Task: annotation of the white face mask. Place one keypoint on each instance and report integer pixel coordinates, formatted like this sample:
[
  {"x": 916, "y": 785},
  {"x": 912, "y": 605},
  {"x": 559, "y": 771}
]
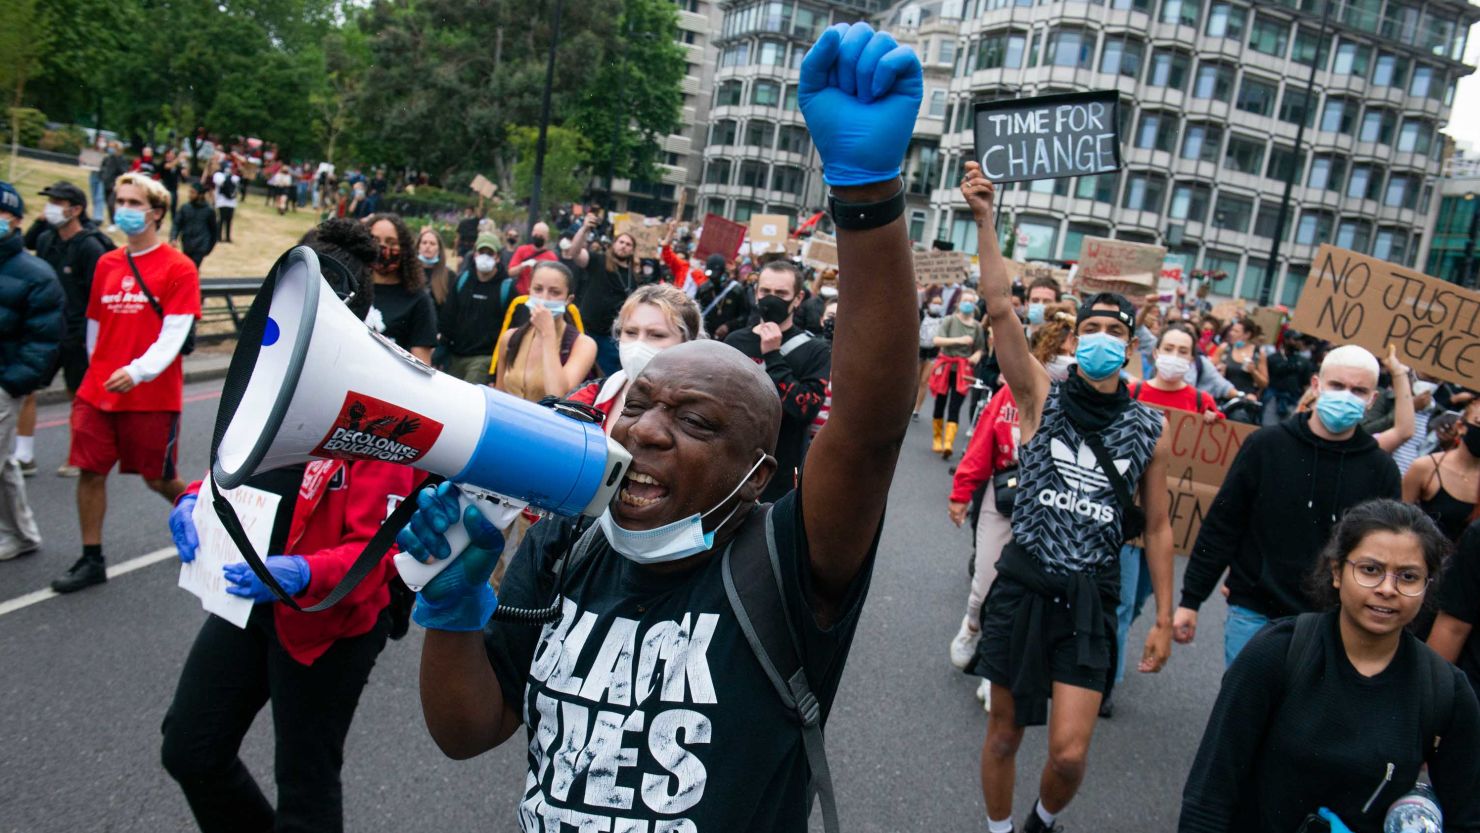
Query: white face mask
[
  {"x": 635, "y": 356},
  {"x": 1172, "y": 368},
  {"x": 54, "y": 214},
  {"x": 1421, "y": 387},
  {"x": 485, "y": 263},
  {"x": 828, "y": 292},
  {"x": 1058, "y": 368},
  {"x": 669, "y": 542}
]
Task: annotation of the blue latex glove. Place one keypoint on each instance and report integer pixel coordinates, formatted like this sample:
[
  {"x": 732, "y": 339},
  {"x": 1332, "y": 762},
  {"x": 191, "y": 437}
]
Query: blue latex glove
[
  {"x": 291, "y": 572},
  {"x": 860, "y": 93},
  {"x": 1337, "y": 825},
  {"x": 459, "y": 598},
  {"x": 182, "y": 529}
]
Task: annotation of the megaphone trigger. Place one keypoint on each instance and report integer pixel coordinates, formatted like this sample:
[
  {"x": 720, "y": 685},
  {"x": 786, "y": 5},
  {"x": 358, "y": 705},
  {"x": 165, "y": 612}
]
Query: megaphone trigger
[{"x": 498, "y": 510}]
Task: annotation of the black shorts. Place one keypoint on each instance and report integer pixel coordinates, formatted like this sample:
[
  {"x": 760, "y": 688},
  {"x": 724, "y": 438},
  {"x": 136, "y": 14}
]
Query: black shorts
[
  {"x": 928, "y": 354},
  {"x": 72, "y": 362},
  {"x": 994, "y": 650}
]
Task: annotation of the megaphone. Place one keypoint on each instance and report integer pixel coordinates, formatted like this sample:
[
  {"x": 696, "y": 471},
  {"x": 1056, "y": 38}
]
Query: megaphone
[{"x": 310, "y": 380}]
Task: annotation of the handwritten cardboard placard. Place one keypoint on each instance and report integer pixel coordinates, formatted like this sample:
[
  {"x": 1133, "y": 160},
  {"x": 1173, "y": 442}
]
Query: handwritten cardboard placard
[
  {"x": 1226, "y": 311},
  {"x": 646, "y": 236},
  {"x": 1268, "y": 320},
  {"x": 204, "y": 577},
  {"x": 1050, "y": 136},
  {"x": 1351, "y": 298},
  {"x": 768, "y": 233},
  {"x": 1200, "y": 454},
  {"x": 482, "y": 185},
  {"x": 1138, "y": 264},
  {"x": 821, "y": 252},
  {"x": 719, "y": 236},
  {"x": 941, "y": 267}
]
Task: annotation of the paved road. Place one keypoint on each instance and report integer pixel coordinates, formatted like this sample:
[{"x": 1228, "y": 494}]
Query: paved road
[{"x": 85, "y": 679}]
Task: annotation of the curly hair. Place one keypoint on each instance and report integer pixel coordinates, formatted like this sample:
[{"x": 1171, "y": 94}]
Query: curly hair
[
  {"x": 409, "y": 271},
  {"x": 350, "y": 243},
  {"x": 1057, "y": 328},
  {"x": 1377, "y": 515}
]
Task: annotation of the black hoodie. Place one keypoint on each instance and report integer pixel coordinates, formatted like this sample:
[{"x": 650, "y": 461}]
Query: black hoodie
[{"x": 1284, "y": 492}]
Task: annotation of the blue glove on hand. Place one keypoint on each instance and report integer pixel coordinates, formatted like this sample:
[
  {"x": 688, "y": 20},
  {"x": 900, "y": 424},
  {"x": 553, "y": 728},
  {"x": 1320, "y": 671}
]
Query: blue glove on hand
[
  {"x": 291, "y": 572},
  {"x": 1337, "y": 825},
  {"x": 860, "y": 93},
  {"x": 182, "y": 529},
  {"x": 459, "y": 598}
]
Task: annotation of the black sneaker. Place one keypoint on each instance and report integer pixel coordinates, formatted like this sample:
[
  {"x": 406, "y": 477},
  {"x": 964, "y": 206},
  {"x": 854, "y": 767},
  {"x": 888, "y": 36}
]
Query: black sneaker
[
  {"x": 85, "y": 573},
  {"x": 1033, "y": 824},
  {"x": 28, "y": 467},
  {"x": 1107, "y": 708}
]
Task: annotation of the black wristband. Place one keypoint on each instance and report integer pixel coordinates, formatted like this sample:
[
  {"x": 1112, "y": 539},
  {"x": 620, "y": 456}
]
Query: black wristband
[{"x": 862, "y": 216}]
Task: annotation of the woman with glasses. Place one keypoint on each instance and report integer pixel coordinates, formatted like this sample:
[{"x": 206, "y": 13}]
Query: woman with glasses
[
  {"x": 1334, "y": 713},
  {"x": 1445, "y": 484}
]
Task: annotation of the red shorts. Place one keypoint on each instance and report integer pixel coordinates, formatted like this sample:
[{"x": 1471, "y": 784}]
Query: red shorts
[{"x": 145, "y": 443}]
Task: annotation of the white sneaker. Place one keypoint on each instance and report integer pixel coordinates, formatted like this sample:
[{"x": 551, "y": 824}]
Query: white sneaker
[
  {"x": 984, "y": 694},
  {"x": 963, "y": 646}
]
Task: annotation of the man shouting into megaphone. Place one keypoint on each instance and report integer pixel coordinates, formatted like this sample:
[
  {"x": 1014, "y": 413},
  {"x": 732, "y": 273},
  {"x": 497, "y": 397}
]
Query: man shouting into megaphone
[{"x": 702, "y": 634}]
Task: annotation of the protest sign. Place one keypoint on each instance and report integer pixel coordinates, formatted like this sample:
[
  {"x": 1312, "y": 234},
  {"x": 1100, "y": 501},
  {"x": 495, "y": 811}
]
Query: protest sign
[
  {"x": 204, "y": 577},
  {"x": 1226, "y": 311},
  {"x": 941, "y": 267},
  {"x": 646, "y": 236},
  {"x": 821, "y": 252},
  {"x": 767, "y": 233},
  {"x": 1268, "y": 320},
  {"x": 1350, "y": 298},
  {"x": 1131, "y": 269},
  {"x": 482, "y": 185},
  {"x": 719, "y": 236},
  {"x": 1068, "y": 134},
  {"x": 1200, "y": 454}
]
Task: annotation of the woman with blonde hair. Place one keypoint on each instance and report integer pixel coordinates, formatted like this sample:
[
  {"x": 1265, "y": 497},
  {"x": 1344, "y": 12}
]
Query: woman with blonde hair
[
  {"x": 433, "y": 259},
  {"x": 652, "y": 319}
]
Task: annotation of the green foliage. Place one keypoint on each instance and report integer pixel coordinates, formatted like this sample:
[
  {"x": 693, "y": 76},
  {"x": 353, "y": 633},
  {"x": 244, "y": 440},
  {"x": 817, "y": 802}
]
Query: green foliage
[
  {"x": 70, "y": 139},
  {"x": 563, "y": 179},
  {"x": 32, "y": 124},
  {"x": 427, "y": 201}
]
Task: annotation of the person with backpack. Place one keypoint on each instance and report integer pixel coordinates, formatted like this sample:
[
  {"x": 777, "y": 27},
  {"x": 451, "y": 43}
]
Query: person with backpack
[
  {"x": 702, "y": 633},
  {"x": 228, "y": 187},
  {"x": 309, "y": 667},
  {"x": 140, "y": 319},
  {"x": 1330, "y": 715},
  {"x": 473, "y": 312},
  {"x": 195, "y": 229},
  {"x": 548, "y": 355}
]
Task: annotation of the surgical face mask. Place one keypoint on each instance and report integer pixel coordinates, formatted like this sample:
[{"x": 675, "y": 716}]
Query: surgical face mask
[
  {"x": 4, "y": 227},
  {"x": 1420, "y": 388},
  {"x": 429, "y": 261},
  {"x": 1058, "y": 368},
  {"x": 1238, "y": 345},
  {"x": 54, "y": 214},
  {"x": 635, "y": 356},
  {"x": 131, "y": 220},
  {"x": 1172, "y": 368},
  {"x": 673, "y": 541},
  {"x": 967, "y": 308},
  {"x": 1339, "y": 410},
  {"x": 1035, "y": 313},
  {"x": 1100, "y": 355},
  {"x": 828, "y": 292},
  {"x": 936, "y": 310},
  {"x": 556, "y": 308},
  {"x": 485, "y": 263}
]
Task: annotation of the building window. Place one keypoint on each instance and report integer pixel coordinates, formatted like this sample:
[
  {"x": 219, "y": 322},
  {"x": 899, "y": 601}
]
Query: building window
[
  {"x": 1190, "y": 201},
  {"x": 1132, "y": 5},
  {"x": 1042, "y": 235},
  {"x": 922, "y": 167},
  {"x": 1226, "y": 20},
  {"x": 808, "y": 24},
  {"x": 1267, "y": 219},
  {"x": 1352, "y": 59},
  {"x": 1144, "y": 192},
  {"x": 1169, "y": 69},
  {"x": 717, "y": 172},
  {"x": 1400, "y": 23},
  {"x": 937, "y": 104},
  {"x": 729, "y": 93},
  {"x": 1327, "y": 173},
  {"x": 722, "y": 132},
  {"x": 1157, "y": 131},
  {"x": 1202, "y": 141},
  {"x": 1074, "y": 239},
  {"x": 1233, "y": 212},
  {"x": 1402, "y": 192},
  {"x": 759, "y": 134},
  {"x": 1363, "y": 183},
  {"x": 1001, "y": 50},
  {"x": 765, "y": 93},
  {"x": 1269, "y": 35},
  {"x": 1254, "y": 274},
  {"x": 1069, "y": 48},
  {"x": 1389, "y": 71},
  {"x": 787, "y": 179},
  {"x": 1057, "y": 187},
  {"x": 1427, "y": 82},
  {"x": 917, "y": 226},
  {"x": 1226, "y": 262},
  {"x": 752, "y": 174},
  {"x": 791, "y": 99},
  {"x": 1244, "y": 154},
  {"x": 1294, "y": 106},
  {"x": 735, "y": 55},
  {"x": 1354, "y": 234},
  {"x": 1362, "y": 14},
  {"x": 1214, "y": 81},
  {"x": 771, "y": 54},
  {"x": 1314, "y": 228},
  {"x": 1309, "y": 48},
  {"x": 963, "y": 233},
  {"x": 1122, "y": 56},
  {"x": 1183, "y": 12},
  {"x": 1391, "y": 244},
  {"x": 1284, "y": 164},
  {"x": 1340, "y": 116},
  {"x": 946, "y": 53},
  {"x": 1415, "y": 136},
  {"x": 793, "y": 139},
  {"x": 1377, "y": 126},
  {"x": 1257, "y": 97},
  {"x": 1100, "y": 188},
  {"x": 744, "y": 209}
]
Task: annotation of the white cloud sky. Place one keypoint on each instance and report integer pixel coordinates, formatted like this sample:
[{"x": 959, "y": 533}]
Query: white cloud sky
[{"x": 1464, "y": 120}]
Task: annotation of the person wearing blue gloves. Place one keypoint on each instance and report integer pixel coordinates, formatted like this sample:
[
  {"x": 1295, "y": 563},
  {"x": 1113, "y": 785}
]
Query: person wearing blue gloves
[
  {"x": 311, "y": 667},
  {"x": 644, "y": 705}
]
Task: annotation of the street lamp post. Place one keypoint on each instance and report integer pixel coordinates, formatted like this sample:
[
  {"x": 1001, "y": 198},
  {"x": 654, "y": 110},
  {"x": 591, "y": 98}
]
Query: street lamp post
[{"x": 539, "y": 151}]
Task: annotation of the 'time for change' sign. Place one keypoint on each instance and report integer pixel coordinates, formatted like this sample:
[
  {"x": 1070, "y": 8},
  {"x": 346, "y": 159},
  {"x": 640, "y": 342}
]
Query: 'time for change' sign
[{"x": 1051, "y": 136}]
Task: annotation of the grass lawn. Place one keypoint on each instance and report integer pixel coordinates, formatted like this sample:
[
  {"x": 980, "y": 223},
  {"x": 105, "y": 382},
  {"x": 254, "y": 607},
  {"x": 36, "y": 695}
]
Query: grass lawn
[{"x": 260, "y": 235}]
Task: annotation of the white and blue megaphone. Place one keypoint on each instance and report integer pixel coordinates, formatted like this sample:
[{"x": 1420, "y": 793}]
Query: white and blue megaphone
[{"x": 310, "y": 380}]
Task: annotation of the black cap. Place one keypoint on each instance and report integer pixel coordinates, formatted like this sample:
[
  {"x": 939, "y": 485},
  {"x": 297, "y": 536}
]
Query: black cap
[{"x": 66, "y": 192}]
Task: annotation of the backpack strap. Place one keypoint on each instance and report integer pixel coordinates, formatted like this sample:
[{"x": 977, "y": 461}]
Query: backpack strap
[
  {"x": 153, "y": 302},
  {"x": 1305, "y": 645},
  {"x": 1436, "y": 704},
  {"x": 797, "y": 340},
  {"x": 752, "y": 579}
]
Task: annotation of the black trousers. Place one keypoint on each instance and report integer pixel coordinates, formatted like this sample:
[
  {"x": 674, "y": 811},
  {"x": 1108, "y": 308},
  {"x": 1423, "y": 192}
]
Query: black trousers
[
  {"x": 952, "y": 400},
  {"x": 225, "y": 217},
  {"x": 229, "y": 676}
]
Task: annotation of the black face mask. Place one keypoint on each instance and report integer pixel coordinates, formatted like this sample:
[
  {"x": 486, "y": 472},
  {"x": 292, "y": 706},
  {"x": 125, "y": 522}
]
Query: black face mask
[
  {"x": 538, "y": 241},
  {"x": 388, "y": 262},
  {"x": 1472, "y": 440},
  {"x": 827, "y": 328},
  {"x": 773, "y": 309}
]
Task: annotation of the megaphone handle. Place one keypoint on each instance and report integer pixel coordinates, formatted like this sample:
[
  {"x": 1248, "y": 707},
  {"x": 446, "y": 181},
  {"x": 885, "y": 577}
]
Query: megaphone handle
[{"x": 417, "y": 574}]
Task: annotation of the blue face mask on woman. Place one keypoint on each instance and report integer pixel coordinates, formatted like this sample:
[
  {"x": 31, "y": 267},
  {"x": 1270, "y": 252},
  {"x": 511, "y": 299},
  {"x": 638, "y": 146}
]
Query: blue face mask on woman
[
  {"x": 1100, "y": 355},
  {"x": 1340, "y": 410},
  {"x": 966, "y": 308}
]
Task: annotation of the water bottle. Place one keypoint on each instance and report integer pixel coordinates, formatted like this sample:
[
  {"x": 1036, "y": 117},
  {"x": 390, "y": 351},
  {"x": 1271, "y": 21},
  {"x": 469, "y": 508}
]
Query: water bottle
[{"x": 1416, "y": 812}]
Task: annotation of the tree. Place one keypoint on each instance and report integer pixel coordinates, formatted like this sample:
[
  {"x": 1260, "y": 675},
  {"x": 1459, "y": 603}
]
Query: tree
[
  {"x": 564, "y": 177},
  {"x": 346, "y": 58},
  {"x": 22, "y": 41}
]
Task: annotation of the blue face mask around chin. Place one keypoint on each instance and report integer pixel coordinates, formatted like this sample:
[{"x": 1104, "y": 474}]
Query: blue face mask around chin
[{"x": 1099, "y": 355}]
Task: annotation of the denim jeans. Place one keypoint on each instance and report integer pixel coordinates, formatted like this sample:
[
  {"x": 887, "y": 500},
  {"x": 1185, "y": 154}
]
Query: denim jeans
[
  {"x": 1135, "y": 589},
  {"x": 1243, "y": 623}
]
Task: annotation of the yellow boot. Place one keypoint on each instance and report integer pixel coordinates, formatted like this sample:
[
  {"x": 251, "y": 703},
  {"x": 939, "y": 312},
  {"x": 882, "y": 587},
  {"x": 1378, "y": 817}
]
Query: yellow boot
[
  {"x": 949, "y": 445},
  {"x": 937, "y": 445}
]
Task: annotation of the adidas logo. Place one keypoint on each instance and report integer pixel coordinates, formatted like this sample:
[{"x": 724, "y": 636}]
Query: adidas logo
[{"x": 1082, "y": 473}]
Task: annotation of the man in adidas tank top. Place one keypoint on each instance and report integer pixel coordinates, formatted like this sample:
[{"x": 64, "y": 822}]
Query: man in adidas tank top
[{"x": 1048, "y": 623}]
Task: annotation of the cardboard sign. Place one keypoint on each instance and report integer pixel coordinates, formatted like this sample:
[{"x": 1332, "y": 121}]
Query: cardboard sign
[
  {"x": 719, "y": 236},
  {"x": 1226, "y": 311},
  {"x": 768, "y": 233},
  {"x": 821, "y": 252},
  {"x": 1268, "y": 320},
  {"x": 646, "y": 236},
  {"x": 1046, "y": 137},
  {"x": 1121, "y": 261},
  {"x": 941, "y": 267},
  {"x": 1351, "y": 298},
  {"x": 203, "y": 577},
  {"x": 1201, "y": 453},
  {"x": 481, "y": 185}
]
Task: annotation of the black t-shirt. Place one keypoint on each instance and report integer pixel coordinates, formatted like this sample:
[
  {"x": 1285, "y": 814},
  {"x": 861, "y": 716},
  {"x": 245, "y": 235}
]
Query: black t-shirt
[
  {"x": 474, "y": 313},
  {"x": 602, "y": 294},
  {"x": 1459, "y": 596},
  {"x": 645, "y": 701},
  {"x": 800, "y": 371},
  {"x": 467, "y": 232},
  {"x": 408, "y": 317}
]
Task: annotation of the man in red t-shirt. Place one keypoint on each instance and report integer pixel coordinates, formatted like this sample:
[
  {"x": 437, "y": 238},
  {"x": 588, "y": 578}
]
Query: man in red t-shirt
[
  {"x": 144, "y": 299},
  {"x": 521, "y": 265}
]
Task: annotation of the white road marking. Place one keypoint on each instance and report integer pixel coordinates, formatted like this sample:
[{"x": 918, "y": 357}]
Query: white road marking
[{"x": 22, "y": 602}]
